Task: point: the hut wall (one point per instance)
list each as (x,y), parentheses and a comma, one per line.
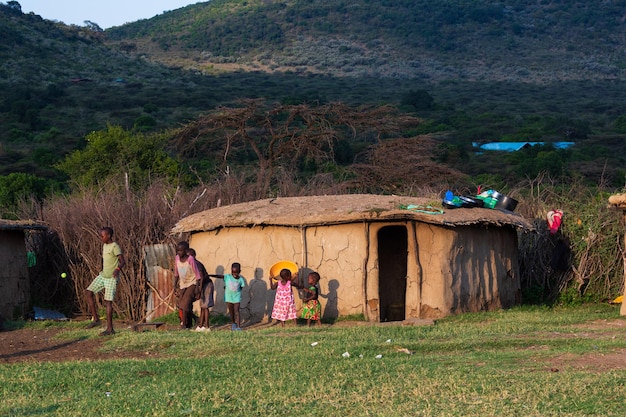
(336,252)
(14,285)
(448,270)
(467,269)
(256,249)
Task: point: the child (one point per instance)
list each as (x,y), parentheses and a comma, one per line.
(233,285)
(284,304)
(112,262)
(312,309)
(187,281)
(206,295)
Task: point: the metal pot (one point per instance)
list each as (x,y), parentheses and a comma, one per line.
(506,203)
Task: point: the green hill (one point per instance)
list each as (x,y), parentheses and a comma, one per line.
(544,71)
(417,39)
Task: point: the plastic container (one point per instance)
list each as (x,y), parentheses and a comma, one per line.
(276,268)
(490,202)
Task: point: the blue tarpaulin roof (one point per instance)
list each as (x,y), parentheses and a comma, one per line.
(516,146)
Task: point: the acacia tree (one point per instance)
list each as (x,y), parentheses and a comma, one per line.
(280,136)
(403,165)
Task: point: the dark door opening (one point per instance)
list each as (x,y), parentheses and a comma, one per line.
(392,269)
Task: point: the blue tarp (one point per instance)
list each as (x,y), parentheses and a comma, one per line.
(45,314)
(516,146)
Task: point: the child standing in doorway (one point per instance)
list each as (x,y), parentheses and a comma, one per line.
(284,304)
(206,295)
(233,285)
(312,309)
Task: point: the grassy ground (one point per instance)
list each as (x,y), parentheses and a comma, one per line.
(525,362)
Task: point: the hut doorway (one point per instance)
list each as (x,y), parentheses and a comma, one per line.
(392,270)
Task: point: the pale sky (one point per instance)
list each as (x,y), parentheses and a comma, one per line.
(106,13)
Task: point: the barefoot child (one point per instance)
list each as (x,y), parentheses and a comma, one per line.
(284,304)
(312,309)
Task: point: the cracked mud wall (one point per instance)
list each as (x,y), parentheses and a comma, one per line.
(14,284)
(467,269)
(335,252)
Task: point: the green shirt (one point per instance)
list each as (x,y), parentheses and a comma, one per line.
(232,288)
(110,260)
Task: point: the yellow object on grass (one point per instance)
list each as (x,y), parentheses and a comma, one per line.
(618,299)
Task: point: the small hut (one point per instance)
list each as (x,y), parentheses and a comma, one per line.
(387,258)
(619,202)
(14,281)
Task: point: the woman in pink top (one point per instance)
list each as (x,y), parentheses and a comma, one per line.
(187,281)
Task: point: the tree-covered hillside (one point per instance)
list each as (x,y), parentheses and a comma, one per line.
(472,71)
(419,39)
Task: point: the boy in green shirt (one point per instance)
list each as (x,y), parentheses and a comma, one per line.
(112,262)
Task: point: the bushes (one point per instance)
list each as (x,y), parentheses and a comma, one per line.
(583,261)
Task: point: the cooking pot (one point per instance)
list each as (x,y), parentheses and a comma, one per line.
(506,203)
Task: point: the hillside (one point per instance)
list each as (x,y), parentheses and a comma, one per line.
(541,72)
(519,41)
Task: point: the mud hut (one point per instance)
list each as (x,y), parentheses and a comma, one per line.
(376,257)
(14,280)
(618,201)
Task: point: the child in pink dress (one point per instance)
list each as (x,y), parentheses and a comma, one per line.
(284,304)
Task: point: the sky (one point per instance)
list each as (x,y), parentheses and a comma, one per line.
(105,13)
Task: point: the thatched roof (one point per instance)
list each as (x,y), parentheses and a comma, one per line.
(20,225)
(618,200)
(339,209)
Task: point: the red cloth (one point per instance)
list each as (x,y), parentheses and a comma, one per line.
(554,220)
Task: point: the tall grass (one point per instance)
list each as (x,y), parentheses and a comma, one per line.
(500,363)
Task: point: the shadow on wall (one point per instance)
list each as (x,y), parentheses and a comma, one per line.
(257,300)
(331,311)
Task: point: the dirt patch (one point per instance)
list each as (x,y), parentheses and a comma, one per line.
(595,362)
(42,345)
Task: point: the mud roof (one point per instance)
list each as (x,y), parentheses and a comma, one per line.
(20,225)
(341,209)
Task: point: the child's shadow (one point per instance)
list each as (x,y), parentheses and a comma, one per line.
(218,286)
(259,302)
(331,311)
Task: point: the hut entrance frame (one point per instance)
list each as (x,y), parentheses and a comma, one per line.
(392,272)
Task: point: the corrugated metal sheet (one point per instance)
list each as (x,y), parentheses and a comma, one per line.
(158,260)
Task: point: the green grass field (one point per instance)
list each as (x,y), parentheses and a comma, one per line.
(529,361)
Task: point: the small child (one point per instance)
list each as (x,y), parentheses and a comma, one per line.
(284,304)
(233,285)
(312,309)
(206,295)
